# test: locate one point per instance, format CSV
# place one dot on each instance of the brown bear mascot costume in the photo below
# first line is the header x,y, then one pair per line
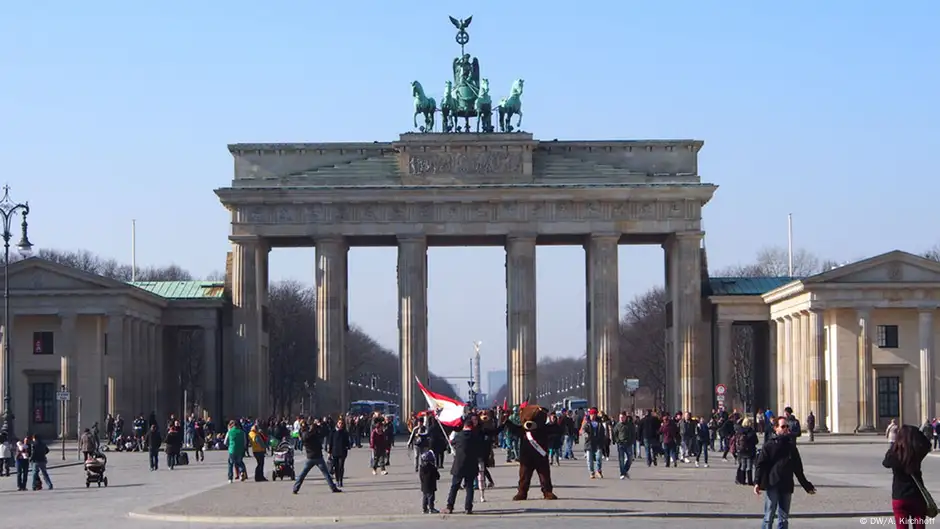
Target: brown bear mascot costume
x,y
533,449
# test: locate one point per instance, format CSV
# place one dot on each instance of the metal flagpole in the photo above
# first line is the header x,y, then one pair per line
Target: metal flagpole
x,y
133,249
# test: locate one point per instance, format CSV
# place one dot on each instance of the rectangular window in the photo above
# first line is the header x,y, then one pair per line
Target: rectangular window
x,y
888,336
889,397
43,343
44,402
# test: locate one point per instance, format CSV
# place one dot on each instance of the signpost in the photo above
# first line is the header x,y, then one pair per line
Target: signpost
x,y
632,385
63,396
720,391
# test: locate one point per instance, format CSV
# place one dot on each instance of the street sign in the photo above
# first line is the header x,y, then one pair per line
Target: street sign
x,y
631,384
721,398
720,389
63,396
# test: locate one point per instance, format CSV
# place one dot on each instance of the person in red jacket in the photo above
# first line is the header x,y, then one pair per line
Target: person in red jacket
x,y
379,444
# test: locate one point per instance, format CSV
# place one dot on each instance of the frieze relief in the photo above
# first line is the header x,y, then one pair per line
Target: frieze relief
x,y
465,163
463,212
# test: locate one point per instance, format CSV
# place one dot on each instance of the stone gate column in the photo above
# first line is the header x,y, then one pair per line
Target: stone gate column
x,y
726,362
781,375
412,321
69,352
261,364
928,401
818,388
796,378
118,383
694,367
604,321
210,370
246,323
521,316
865,383
332,389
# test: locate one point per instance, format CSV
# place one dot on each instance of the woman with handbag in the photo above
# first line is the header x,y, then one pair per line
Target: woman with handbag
x,y
910,500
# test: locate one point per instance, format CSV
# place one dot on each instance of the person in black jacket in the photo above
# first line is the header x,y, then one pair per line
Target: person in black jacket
x,y
428,474
153,440
338,445
778,463
312,436
466,444
904,459
38,452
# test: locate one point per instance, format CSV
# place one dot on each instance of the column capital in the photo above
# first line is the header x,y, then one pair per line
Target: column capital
x,y
244,239
521,237
863,313
926,311
687,235
330,240
725,323
818,311
67,319
416,238
606,236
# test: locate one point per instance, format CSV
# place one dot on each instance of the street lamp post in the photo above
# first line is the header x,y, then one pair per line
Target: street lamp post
x,y
8,209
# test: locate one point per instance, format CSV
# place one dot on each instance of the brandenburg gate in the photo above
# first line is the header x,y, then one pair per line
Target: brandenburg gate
x,y
460,185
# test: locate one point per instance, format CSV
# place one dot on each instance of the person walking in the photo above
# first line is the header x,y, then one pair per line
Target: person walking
x,y
174,445
778,463
153,440
259,448
811,426
235,441
378,442
624,436
22,463
467,444
338,445
312,437
594,432
428,475
904,458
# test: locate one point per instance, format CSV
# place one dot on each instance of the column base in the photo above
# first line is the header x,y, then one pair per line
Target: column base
x,y
822,429
865,429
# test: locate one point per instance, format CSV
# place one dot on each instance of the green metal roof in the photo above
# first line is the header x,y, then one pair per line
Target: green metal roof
x,y
745,286
183,289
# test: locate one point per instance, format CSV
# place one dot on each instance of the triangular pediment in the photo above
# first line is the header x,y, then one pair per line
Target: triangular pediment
x,y
39,274
892,267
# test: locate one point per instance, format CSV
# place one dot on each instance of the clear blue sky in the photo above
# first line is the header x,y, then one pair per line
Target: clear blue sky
x,y
121,110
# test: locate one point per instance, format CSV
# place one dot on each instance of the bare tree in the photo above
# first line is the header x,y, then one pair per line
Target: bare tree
x,y
292,342
933,253
190,361
773,261
643,342
87,261
742,363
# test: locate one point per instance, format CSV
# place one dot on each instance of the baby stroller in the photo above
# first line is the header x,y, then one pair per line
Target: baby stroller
x,y
94,469
283,461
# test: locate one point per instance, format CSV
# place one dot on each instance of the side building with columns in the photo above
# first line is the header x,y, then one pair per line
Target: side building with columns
x,y
854,344
119,348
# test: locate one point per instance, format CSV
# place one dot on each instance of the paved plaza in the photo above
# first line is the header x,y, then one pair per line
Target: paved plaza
x,y
851,483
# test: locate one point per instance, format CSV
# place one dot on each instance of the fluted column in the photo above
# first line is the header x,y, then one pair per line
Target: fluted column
x,y
246,322
67,348
772,351
118,384
332,389
694,369
138,355
796,380
412,321
210,370
928,401
521,316
159,372
787,396
781,365
261,365
725,361
866,421
150,336
818,388
805,362
604,322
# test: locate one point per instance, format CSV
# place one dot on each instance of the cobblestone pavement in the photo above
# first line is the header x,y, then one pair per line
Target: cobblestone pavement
x,y
849,479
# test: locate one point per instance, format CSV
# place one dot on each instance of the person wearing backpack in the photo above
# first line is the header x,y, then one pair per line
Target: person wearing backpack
x,y
745,442
778,464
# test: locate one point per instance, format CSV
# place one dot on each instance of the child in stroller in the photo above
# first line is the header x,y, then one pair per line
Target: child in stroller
x,y
95,467
283,461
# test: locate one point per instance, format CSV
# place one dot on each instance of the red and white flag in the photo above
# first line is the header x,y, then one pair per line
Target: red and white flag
x,y
449,411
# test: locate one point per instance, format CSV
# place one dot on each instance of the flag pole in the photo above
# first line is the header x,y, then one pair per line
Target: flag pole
x,y
439,423
790,243
133,249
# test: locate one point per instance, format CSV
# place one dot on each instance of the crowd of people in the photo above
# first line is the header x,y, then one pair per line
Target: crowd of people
x,y
763,445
